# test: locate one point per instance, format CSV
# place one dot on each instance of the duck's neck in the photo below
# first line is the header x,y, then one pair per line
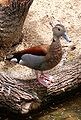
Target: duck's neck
x,y
55,39
55,43
55,49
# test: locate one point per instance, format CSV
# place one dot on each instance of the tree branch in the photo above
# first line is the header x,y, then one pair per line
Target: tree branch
x,y
12,17
23,96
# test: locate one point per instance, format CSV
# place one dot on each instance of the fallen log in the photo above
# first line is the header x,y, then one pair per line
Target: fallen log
x,y
12,17
23,96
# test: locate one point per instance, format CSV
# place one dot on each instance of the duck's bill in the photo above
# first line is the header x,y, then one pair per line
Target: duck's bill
x,y
66,37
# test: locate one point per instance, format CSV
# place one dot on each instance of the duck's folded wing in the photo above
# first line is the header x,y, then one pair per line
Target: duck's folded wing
x,y
32,61
40,50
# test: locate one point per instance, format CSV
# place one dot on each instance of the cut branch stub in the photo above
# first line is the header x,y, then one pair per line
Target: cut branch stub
x,y
18,95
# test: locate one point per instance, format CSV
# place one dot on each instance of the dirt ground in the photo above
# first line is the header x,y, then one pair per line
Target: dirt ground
x,y
38,31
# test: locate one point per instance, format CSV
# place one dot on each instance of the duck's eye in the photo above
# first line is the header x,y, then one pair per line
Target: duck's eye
x,y
58,29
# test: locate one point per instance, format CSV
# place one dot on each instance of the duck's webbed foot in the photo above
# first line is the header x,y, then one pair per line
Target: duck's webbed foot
x,y
44,79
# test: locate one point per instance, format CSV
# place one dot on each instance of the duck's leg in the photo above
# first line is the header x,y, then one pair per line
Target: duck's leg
x,y
44,79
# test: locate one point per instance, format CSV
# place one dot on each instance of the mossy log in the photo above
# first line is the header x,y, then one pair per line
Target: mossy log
x,y
23,96
12,16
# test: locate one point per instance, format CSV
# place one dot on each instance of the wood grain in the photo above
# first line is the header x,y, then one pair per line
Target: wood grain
x,y
23,96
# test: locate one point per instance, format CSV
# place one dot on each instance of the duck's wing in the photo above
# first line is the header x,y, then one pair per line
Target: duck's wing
x,y
33,51
32,61
37,50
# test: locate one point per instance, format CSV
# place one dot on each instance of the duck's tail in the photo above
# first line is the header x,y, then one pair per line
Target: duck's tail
x,y
12,58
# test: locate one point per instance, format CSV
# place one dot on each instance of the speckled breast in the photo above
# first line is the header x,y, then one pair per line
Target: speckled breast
x,y
52,58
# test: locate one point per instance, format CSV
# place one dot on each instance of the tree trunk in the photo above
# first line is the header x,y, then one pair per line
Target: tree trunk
x,y
12,16
22,96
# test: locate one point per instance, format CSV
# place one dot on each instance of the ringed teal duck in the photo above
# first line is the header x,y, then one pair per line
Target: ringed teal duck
x,y
42,57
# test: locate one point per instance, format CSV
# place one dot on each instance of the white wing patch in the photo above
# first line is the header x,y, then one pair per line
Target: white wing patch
x,y
14,60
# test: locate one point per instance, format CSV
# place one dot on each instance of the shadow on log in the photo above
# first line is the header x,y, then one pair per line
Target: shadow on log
x,y
21,96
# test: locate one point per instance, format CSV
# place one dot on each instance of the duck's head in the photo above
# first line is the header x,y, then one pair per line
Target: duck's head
x,y
59,30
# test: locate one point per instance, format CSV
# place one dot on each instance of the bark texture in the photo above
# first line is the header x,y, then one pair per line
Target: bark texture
x,y
12,16
25,95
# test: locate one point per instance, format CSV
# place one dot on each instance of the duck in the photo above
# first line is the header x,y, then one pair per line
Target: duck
x,y
42,57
